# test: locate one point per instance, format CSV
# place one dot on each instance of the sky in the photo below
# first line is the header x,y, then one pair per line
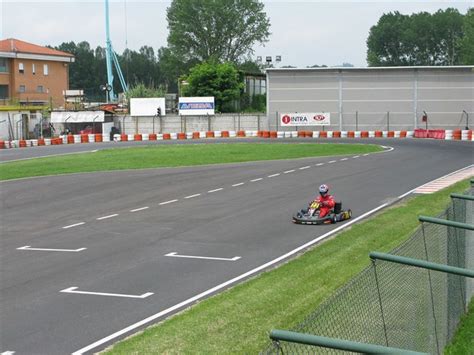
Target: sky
x,y
303,33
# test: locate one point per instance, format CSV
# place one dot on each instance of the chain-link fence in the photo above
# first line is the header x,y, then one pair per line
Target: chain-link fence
x,y
397,305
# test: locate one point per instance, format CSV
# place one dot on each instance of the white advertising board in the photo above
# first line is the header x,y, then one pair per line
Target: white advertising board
x,y
305,119
196,106
77,116
147,106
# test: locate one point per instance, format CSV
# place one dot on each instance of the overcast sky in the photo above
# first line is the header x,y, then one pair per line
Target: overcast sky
x,y
304,33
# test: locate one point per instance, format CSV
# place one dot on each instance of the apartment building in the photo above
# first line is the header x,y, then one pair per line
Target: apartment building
x,y
32,74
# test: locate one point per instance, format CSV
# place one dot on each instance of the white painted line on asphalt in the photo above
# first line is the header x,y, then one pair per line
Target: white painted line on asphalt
x,y
289,171
319,164
140,209
222,285
255,180
356,156
106,217
239,184
9,352
176,255
304,167
191,196
73,290
273,175
27,247
332,161
365,154
343,159
166,202
74,225
215,190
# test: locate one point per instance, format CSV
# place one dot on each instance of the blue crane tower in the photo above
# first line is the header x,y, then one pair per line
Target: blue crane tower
x,y
111,56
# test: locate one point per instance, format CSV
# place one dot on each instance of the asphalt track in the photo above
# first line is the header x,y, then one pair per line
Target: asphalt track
x,y
129,221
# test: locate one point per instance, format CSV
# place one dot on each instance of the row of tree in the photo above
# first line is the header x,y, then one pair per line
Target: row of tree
x,y
443,38
210,43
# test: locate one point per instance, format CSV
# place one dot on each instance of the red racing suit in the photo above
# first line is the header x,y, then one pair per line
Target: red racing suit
x,y
327,204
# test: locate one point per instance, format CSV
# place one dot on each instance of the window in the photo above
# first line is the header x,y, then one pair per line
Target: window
x,y
3,92
40,88
22,88
21,68
3,65
33,69
45,69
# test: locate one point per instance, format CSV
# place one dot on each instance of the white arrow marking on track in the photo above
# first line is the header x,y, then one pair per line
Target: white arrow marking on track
x,y
73,290
175,255
27,247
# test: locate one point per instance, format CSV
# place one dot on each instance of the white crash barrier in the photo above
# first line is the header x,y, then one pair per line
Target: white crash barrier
x,y
105,137
232,134
217,134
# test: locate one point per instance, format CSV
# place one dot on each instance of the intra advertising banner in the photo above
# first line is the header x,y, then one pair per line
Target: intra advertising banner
x,y
196,106
305,119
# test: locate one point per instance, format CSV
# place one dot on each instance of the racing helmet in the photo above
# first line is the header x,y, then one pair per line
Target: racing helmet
x,y
323,189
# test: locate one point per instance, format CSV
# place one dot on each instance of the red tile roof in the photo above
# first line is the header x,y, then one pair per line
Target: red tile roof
x,y
17,46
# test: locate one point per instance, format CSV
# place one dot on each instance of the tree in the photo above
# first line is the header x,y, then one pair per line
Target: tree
x,y
417,39
467,42
221,80
224,30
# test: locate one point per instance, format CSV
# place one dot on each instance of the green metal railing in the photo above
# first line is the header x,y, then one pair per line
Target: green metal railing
x,y
410,299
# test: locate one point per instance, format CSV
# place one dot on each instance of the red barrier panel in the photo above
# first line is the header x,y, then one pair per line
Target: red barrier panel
x,y
301,134
2,145
336,134
41,141
137,137
210,134
181,135
241,134
152,137
350,134
98,137
166,136
84,138
403,134
364,134
309,134
195,135
273,134
225,134
124,137
378,134
420,133
436,133
70,139
266,134
390,134
323,134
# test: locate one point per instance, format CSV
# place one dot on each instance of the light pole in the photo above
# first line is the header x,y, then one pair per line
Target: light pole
x,y
107,88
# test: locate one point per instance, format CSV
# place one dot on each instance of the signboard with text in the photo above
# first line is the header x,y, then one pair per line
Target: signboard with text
x,y
305,119
196,106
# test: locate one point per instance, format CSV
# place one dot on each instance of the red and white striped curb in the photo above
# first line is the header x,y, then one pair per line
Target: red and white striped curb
x,y
97,138
445,181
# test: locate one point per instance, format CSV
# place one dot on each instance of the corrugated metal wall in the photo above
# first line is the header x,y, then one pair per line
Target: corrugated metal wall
x,y
374,98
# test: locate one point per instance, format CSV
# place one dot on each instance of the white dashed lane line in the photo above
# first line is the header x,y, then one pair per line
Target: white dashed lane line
x,y
319,164
106,217
191,196
304,167
365,154
74,225
255,180
332,161
140,209
215,190
288,171
273,175
343,159
356,156
167,202
239,184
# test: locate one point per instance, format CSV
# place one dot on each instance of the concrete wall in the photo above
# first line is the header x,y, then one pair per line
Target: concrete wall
x,y
174,123
374,98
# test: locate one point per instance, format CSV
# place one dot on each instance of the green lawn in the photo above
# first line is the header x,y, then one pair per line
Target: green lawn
x,y
463,341
174,155
240,319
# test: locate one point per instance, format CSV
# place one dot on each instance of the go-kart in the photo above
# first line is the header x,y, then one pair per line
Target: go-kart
x,y
311,215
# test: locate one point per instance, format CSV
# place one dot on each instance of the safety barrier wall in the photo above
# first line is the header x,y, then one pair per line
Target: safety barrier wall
x,y
399,306
466,135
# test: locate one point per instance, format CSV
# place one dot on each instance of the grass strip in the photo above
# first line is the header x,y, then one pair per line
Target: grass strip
x,y
463,341
240,319
174,155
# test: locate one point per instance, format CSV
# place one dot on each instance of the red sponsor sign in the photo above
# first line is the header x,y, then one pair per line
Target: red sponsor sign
x,y
305,119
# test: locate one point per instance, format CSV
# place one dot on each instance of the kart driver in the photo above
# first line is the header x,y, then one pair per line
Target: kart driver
x,y
325,200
